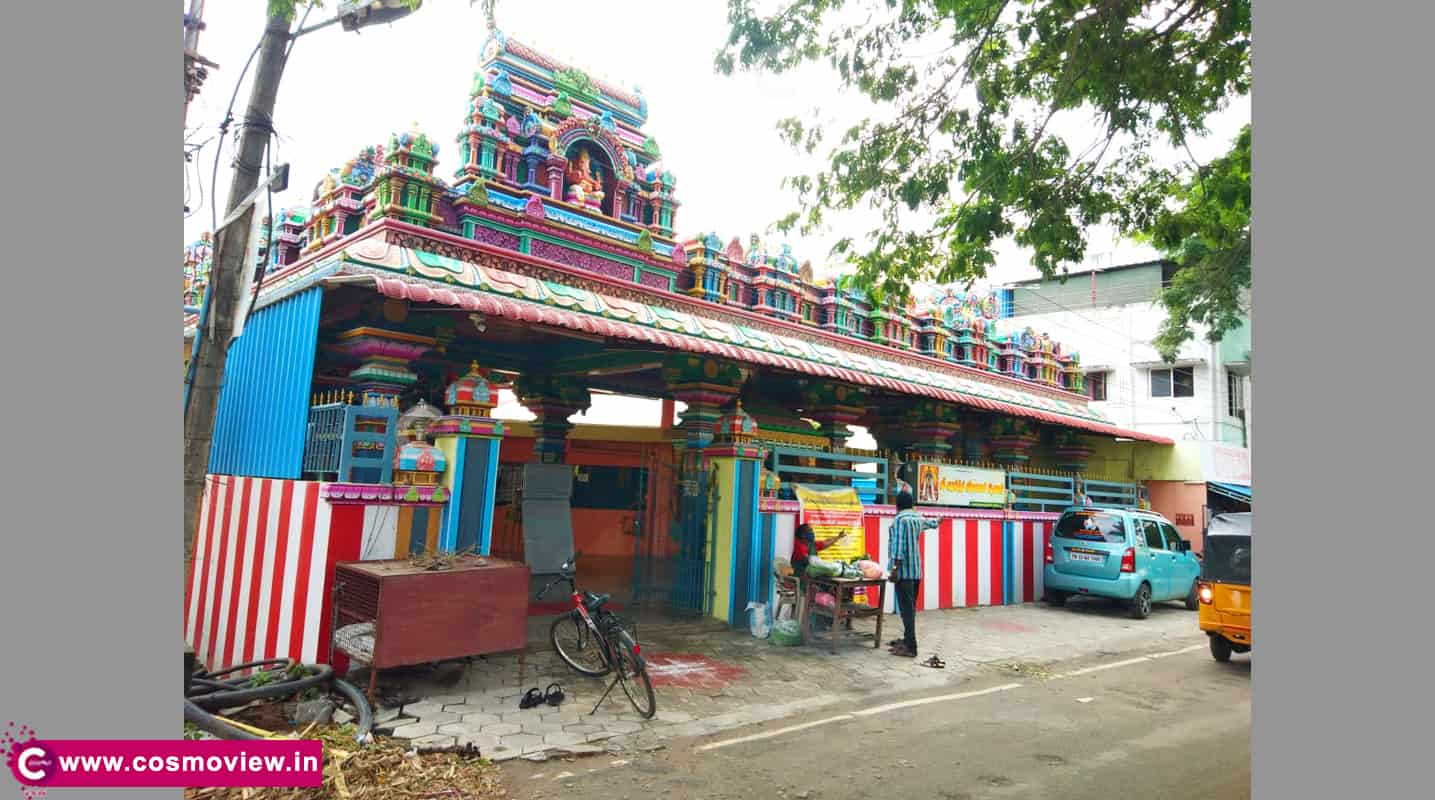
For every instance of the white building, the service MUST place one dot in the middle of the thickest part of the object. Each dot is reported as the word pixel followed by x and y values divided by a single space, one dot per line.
pixel 1110 316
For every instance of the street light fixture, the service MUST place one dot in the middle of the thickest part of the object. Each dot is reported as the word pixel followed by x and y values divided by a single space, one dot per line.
pixel 357 14
pixel 229 263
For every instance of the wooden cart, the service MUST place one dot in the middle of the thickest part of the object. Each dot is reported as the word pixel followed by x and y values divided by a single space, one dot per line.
pixel 414 615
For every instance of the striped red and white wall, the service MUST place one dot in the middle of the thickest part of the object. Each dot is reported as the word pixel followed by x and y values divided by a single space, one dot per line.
pixel 264 565
pixel 974 558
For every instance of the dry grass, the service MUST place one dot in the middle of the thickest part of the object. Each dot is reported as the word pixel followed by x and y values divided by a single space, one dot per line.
pixel 380 771
pixel 440 561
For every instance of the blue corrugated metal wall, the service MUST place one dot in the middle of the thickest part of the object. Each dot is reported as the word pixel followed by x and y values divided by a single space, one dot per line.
pixel 264 402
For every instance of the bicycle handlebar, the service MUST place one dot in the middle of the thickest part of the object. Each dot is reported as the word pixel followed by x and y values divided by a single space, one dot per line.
pixel 565 573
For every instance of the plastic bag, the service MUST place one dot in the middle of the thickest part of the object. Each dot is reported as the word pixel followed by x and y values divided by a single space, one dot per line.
pixel 871 570
pixel 757 621
pixel 786 633
pixel 824 599
pixel 819 568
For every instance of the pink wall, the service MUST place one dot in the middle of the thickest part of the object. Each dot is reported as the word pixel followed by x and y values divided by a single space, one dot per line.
pixel 1184 504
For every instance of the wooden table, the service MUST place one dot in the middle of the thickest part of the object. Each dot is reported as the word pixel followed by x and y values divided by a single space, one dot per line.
pixel 844 612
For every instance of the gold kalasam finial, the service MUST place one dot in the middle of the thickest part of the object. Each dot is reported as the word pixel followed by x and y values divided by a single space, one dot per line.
pixel 473 367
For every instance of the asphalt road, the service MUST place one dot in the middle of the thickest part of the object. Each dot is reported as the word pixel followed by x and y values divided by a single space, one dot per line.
pixel 1172 727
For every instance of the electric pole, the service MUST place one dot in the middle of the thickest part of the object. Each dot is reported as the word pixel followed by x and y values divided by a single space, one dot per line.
pixel 227 276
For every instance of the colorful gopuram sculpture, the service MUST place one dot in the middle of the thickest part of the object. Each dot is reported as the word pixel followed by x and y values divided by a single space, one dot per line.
pixel 555 164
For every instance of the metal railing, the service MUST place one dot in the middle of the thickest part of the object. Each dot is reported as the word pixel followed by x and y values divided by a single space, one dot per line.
pixel 1110 493
pixel 324 440
pixel 1038 492
pixel 350 443
pixel 831 467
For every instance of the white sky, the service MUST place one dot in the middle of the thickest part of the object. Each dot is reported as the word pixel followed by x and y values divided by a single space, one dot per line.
pixel 344 91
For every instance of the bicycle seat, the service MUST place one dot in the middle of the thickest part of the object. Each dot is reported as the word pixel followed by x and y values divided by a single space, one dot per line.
pixel 594 600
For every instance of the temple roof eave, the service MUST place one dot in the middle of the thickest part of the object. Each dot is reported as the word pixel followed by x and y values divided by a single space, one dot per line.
pixel 690 325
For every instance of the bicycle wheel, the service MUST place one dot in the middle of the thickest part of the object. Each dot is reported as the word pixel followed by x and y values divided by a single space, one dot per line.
pixel 577 645
pixel 633 675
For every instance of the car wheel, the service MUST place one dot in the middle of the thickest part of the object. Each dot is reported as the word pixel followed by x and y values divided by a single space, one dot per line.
pixel 1055 598
pixel 1193 602
pixel 1141 603
pixel 1220 649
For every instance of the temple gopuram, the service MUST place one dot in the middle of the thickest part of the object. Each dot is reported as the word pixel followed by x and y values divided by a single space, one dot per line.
pixel 535 251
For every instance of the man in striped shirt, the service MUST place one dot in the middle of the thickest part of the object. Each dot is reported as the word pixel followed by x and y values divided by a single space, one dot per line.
pixel 904 566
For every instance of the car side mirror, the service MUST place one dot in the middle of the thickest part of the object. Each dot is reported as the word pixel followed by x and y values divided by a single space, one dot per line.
pixel 1184 546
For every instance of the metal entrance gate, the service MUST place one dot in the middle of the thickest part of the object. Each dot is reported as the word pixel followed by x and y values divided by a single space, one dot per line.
pixel 671 564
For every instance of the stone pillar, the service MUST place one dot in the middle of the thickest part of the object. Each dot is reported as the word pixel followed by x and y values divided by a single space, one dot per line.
pixel 973 438
pixel 469 439
pixel 705 385
pixel 1072 454
pixel 835 406
pixel 933 424
pixel 552 401
pixel 1011 440
pixel 620 193
pixel 735 460
pixel 887 425
pixel 555 178
pixel 384 357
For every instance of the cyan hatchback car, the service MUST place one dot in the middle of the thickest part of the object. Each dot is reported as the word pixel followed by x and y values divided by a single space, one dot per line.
pixel 1133 556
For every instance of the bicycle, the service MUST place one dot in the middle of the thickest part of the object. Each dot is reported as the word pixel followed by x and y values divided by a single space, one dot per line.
pixel 594 642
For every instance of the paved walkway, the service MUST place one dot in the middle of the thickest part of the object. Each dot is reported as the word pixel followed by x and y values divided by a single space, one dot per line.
pixel 708 678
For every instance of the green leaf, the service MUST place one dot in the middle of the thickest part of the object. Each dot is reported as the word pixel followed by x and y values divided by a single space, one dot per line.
pixel 956 140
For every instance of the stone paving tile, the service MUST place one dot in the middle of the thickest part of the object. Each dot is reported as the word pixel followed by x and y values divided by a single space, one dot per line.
pixel 423 708
pixel 462 708
pixel 967 639
pixel 563 738
pixel 433 740
pixel 483 742
pixel 540 728
pixel 457 729
pixel 502 753
pixel 522 742
pixel 415 729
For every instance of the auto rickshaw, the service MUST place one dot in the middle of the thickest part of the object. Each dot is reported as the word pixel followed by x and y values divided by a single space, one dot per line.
pixel 1224 590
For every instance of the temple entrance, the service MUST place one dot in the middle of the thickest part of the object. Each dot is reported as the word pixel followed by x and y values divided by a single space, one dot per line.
pixel 672 571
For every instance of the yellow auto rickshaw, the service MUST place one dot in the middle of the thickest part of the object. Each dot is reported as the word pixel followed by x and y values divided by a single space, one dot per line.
pixel 1224 589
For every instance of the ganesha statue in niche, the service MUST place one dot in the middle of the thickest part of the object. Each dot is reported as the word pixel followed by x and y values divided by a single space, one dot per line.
pixel 585 181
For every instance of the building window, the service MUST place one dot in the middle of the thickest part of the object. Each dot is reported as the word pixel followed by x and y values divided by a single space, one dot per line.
pixel 1235 395
pixel 1177 382
pixel 1096 386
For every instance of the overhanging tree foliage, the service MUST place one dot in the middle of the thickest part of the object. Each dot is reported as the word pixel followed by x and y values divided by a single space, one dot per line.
pixel 966 139
pixel 1208 233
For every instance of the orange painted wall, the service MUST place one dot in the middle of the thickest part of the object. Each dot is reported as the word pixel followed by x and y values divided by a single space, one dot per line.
pixel 1173 498
pixel 605 536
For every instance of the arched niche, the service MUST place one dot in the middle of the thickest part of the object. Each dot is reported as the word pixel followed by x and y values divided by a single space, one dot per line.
pixel 585 156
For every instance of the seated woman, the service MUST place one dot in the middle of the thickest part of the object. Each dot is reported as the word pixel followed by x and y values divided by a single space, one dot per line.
pixel 804 546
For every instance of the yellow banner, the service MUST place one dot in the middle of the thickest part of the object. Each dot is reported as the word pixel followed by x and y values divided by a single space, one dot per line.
pixel 832 512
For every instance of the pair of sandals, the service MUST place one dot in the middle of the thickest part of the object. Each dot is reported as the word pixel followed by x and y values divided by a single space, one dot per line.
pixel 897 648
pixel 533 698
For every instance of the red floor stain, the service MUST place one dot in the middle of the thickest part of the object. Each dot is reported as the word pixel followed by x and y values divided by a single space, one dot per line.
pixel 691 671
pixel 1008 627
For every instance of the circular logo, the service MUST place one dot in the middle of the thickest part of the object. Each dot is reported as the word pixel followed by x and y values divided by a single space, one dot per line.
pixel 33 763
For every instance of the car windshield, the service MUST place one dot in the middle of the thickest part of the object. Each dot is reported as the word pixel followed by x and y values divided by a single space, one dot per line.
pixel 1094 526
